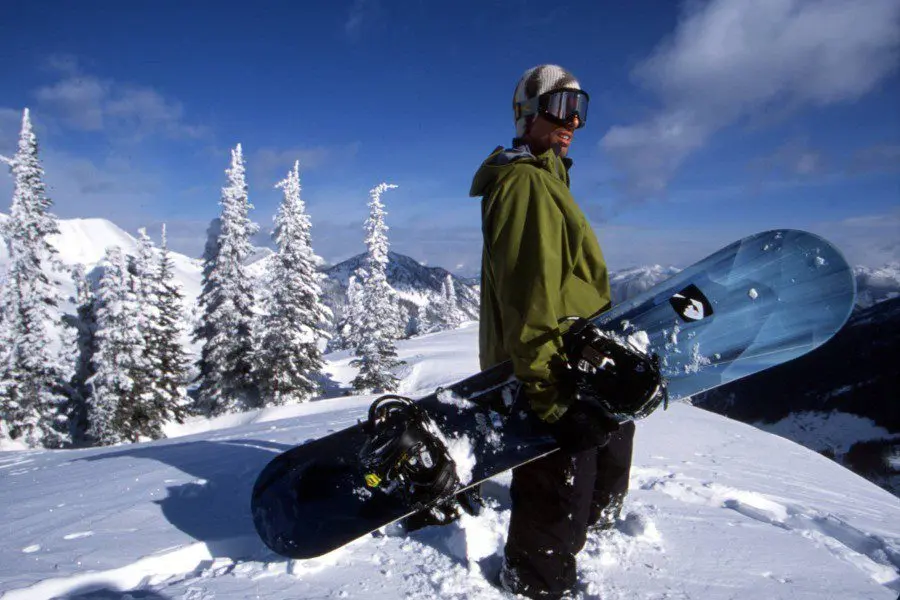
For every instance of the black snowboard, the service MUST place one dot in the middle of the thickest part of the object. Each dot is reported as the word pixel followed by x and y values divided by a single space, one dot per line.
pixel 754 304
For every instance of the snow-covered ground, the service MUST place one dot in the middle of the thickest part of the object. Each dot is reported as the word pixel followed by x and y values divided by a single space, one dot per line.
pixel 718 509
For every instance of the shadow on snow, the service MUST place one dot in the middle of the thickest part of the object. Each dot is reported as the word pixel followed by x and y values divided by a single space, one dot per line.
pixel 214 508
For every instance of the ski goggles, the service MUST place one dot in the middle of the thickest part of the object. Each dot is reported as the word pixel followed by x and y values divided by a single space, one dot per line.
pixel 558 107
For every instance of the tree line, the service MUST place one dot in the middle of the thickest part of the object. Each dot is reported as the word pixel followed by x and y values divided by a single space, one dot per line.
pixel 117 371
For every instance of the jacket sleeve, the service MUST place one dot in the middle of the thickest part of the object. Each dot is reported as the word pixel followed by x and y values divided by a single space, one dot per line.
pixel 525 232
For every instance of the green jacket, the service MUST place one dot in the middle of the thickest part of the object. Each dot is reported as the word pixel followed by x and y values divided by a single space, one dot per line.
pixel 540 262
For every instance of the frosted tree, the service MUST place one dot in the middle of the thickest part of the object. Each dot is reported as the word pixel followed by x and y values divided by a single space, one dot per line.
pixel 85 325
pixel 452 316
pixel 376 354
pixel 348 326
pixel 32 374
pixel 142 267
pixel 119 400
pixel 227 381
pixel 169 363
pixel 295 322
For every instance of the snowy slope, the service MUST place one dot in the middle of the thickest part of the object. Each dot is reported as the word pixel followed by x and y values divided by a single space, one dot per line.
pixel 84 242
pixel 840 398
pixel 718 510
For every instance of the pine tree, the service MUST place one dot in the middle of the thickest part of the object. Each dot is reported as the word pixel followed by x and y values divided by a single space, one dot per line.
pixel 348 326
pixel 452 316
pixel 376 354
pixel 142 267
pixel 146 421
pixel 164 349
pixel 227 380
pixel 119 403
pixel 296 320
pixel 32 374
pixel 85 325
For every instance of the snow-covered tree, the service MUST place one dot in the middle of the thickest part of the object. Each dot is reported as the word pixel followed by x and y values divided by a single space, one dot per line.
pixel 143 268
pixel 32 374
pixel 118 407
pixel 168 360
pixel 452 316
pixel 227 381
pixel 442 313
pixel 376 353
pixel 295 320
pixel 348 326
pixel 85 325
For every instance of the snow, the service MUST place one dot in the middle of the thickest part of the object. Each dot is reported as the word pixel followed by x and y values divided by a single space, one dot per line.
pixel 717 509
pixel 834 431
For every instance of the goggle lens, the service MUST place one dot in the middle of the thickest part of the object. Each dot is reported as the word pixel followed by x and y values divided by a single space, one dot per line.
pixel 562 106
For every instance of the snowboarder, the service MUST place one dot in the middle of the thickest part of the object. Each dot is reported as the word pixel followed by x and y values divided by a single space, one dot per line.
pixel 541 262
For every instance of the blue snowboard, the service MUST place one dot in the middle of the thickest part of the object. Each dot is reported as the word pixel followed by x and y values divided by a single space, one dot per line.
pixel 754 304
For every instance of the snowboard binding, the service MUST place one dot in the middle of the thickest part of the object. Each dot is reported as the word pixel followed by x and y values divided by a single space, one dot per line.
pixel 402 454
pixel 626 383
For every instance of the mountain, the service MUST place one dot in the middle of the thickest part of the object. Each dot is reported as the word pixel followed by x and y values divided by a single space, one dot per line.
pixel 717 510
pixel 876 285
pixel 841 399
pixel 630 282
pixel 415 284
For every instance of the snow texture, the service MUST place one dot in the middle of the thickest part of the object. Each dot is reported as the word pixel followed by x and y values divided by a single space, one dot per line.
pixel 717 510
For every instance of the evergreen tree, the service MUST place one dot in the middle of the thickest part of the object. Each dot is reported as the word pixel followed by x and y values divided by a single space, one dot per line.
pixel 85 325
pixel 295 321
pixel 452 316
pixel 163 338
pixel 348 327
pixel 32 374
pixel 146 421
pixel 143 268
pixel 118 406
pixel 376 354
pixel 227 381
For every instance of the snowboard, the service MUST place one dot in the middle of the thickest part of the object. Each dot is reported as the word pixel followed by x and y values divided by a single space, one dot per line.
pixel 756 303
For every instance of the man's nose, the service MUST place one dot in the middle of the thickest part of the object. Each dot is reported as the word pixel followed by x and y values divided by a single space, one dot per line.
pixel 574 122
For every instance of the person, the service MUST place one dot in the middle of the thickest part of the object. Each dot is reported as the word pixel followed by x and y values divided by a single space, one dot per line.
pixel 541 262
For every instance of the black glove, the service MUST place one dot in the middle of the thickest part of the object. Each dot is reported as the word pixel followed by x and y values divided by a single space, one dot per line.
pixel 583 426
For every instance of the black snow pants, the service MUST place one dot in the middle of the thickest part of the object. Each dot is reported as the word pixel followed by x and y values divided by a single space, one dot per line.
pixel 554 501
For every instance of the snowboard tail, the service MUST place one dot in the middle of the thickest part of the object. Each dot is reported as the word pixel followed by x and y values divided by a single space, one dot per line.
pixel 754 304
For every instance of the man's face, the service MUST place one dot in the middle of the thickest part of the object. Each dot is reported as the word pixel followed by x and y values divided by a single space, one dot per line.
pixel 544 135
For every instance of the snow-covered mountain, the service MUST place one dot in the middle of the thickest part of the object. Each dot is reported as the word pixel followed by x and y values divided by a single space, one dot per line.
pixel 718 510
pixel 876 285
pixel 841 399
pixel 630 282
pixel 84 242
pixel 415 284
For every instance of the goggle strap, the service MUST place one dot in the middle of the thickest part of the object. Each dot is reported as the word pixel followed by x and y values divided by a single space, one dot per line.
pixel 527 108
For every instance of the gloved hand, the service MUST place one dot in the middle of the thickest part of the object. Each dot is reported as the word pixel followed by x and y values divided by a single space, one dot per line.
pixel 583 426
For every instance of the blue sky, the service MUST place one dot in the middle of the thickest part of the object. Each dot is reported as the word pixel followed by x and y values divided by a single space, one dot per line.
pixel 709 120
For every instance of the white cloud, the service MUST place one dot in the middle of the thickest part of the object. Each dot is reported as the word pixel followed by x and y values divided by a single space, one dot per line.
pixel 67 64
pixel 876 158
pixel 794 158
pixel 871 240
pixel 730 59
pixel 10 123
pixel 85 102
pixel 268 163
pixel 78 101
pixel 363 13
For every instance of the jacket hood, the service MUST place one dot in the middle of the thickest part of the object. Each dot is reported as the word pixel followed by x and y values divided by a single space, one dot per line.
pixel 501 158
